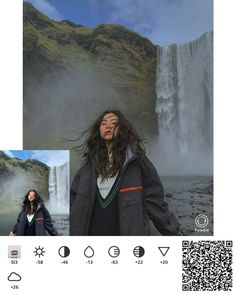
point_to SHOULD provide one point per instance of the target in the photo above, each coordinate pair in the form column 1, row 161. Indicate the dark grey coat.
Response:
column 135, row 206
column 43, row 223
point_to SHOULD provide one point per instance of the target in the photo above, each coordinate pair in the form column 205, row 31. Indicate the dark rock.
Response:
column 71, row 24
column 168, row 195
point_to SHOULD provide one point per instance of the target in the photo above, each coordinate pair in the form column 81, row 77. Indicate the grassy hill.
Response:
column 72, row 73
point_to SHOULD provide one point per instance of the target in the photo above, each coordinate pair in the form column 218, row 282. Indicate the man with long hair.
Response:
column 117, row 189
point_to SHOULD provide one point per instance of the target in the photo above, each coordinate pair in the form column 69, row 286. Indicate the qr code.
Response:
column 207, row 265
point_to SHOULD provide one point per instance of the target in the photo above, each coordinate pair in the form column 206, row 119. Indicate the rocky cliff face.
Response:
column 75, row 71
column 19, row 176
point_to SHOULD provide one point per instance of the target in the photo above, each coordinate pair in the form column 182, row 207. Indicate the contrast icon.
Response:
column 138, row 251
column 163, row 250
column 201, row 220
column 64, row 251
column 114, row 251
column 39, row 251
column 89, row 252
column 14, row 277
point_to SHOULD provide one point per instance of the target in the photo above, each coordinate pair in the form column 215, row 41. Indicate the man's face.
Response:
column 109, row 126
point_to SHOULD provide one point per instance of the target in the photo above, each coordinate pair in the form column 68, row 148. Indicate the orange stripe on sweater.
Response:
column 127, row 189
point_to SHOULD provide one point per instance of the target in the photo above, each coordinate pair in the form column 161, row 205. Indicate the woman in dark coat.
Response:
column 117, row 189
column 34, row 218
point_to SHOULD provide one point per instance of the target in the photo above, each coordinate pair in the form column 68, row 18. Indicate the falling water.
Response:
column 184, row 91
column 59, row 189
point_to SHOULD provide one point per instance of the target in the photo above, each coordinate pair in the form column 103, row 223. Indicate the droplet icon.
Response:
column 89, row 252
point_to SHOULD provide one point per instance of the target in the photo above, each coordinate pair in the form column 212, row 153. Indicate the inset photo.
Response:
column 34, row 192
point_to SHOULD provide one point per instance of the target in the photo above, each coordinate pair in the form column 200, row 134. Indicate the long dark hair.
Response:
column 26, row 204
column 95, row 147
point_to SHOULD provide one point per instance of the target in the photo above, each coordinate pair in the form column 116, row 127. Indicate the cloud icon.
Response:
column 14, row 277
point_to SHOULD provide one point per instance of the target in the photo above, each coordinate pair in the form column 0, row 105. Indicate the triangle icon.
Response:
column 164, row 250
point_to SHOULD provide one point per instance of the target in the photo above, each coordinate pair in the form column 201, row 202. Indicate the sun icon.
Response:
column 39, row 251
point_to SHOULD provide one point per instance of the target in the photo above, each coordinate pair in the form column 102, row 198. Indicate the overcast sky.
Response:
column 161, row 21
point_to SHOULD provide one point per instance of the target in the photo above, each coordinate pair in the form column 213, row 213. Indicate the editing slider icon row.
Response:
column 64, row 251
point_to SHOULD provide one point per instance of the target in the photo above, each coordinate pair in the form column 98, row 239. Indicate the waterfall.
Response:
column 184, row 91
column 59, row 189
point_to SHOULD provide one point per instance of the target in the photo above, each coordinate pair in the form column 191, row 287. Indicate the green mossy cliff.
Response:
column 124, row 60
column 17, row 177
